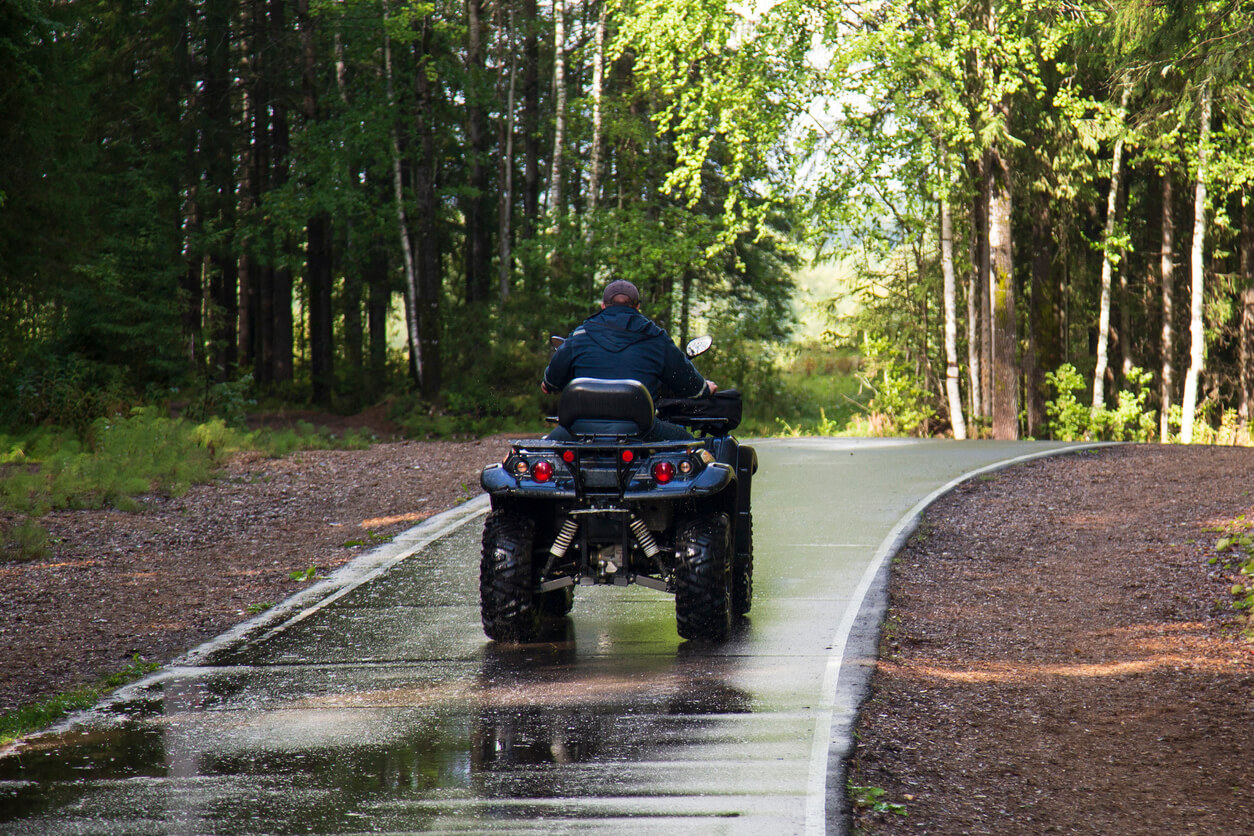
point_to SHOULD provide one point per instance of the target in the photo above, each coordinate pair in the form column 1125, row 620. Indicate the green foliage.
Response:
column 872, row 798
column 303, row 575
column 823, row 427
column 821, row 393
column 61, row 390
column 1228, row 430
column 116, row 460
column 32, row 717
column 119, row 459
column 227, row 400
column 372, row 538
column 900, row 405
column 1131, row 419
column 1070, row 420
column 304, row 436
column 24, row 539
column 1235, row 553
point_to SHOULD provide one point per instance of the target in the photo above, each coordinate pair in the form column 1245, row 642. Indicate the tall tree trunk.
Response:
column 318, row 237
column 1197, row 265
column 351, row 308
column 531, row 118
column 1123, row 336
column 974, row 295
column 252, row 20
column 598, row 78
column 1005, row 377
column 377, row 303
column 283, row 327
column 318, row 283
column 1039, row 347
column 952, row 390
column 1167, row 275
column 685, row 307
column 1246, row 355
column 182, row 96
column 1108, row 264
column 192, row 291
column 476, row 201
column 398, row 194
column 986, row 287
column 505, row 147
column 1247, row 311
column 427, row 362
column 219, row 197
column 556, row 172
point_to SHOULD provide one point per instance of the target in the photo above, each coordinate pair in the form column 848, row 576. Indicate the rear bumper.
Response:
column 498, row 481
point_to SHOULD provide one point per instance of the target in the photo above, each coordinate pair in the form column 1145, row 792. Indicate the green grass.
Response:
column 819, row 394
column 117, row 460
column 35, row 716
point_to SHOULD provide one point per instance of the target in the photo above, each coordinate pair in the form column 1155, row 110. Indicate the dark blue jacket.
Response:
column 620, row 343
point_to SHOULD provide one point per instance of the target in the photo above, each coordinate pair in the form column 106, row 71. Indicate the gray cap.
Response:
column 621, row 287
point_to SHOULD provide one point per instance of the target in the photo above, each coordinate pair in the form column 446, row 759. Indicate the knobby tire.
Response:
column 507, row 600
column 703, row 605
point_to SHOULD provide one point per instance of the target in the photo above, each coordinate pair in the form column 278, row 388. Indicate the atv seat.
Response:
column 590, row 406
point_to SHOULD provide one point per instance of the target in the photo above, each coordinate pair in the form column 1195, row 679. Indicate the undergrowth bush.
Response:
column 900, row 403
column 62, row 390
column 1071, row 420
column 116, row 460
column 1235, row 553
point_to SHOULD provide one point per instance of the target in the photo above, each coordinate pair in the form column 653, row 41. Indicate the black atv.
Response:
column 610, row 508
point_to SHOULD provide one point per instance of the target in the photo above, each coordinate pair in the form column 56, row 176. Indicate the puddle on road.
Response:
column 351, row 748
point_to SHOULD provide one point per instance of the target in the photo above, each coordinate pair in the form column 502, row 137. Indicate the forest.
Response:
column 1042, row 208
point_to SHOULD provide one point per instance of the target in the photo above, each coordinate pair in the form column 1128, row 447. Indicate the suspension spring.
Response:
column 644, row 537
column 564, row 537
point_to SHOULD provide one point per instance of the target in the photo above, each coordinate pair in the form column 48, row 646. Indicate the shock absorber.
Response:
column 564, row 537
column 643, row 536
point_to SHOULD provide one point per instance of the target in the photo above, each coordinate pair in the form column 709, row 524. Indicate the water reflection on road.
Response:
column 386, row 711
column 536, row 731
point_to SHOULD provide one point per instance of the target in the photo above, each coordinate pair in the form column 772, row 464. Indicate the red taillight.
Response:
column 663, row 472
column 628, row 456
column 542, row 471
column 568, row 456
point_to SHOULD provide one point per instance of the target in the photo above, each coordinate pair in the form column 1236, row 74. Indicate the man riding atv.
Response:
column 620, row 492
column 618, row 342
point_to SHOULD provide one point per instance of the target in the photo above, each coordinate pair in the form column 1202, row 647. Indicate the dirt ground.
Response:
column 159, row 582
column 1060, row 656
column 1055, row 659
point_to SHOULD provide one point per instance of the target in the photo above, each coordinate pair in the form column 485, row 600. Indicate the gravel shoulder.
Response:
column 159, row 582
column 1060, row 656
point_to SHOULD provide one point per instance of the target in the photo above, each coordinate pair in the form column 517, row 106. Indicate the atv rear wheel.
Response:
column 703, row 580
column 507, row 600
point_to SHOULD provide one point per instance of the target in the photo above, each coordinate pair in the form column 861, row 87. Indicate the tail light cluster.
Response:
column 663, row 470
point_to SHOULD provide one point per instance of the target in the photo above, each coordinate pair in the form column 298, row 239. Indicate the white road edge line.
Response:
column 304, row 603
column 816, row 790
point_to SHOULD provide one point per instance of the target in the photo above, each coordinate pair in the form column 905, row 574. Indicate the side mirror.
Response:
column 555, row 342
column 699, row 345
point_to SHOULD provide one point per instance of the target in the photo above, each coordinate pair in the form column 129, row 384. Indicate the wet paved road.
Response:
column 383, row 709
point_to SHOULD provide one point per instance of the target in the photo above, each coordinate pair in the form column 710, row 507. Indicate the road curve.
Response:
column 373, row 704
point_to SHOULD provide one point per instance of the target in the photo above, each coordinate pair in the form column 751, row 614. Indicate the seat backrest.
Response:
column 591, row 406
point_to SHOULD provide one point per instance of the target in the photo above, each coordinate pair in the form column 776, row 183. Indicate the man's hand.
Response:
column 710, row 387
column 547, row 389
